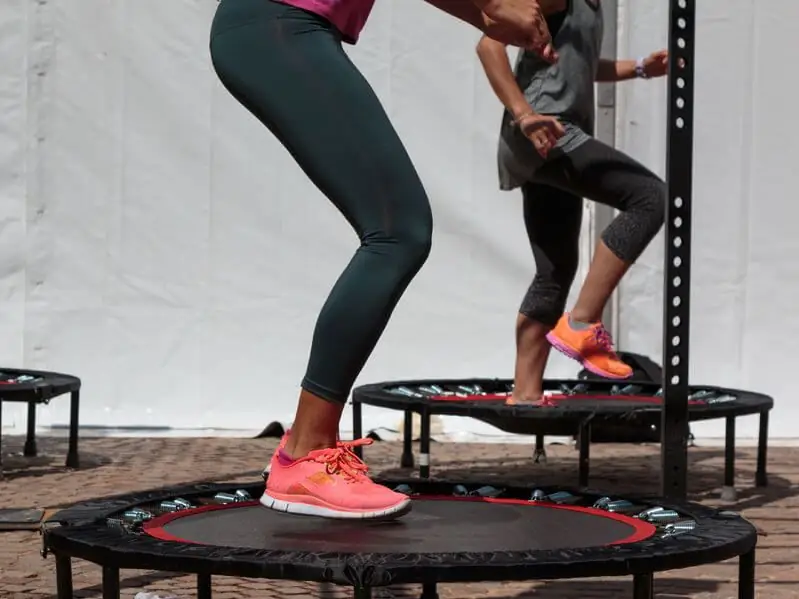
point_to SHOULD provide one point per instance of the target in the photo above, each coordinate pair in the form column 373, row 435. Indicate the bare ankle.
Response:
column 301, row 447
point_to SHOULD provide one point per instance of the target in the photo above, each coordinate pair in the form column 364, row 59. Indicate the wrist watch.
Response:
column 640, row 71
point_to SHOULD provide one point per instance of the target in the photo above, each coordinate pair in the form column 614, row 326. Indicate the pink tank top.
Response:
column 348, row 16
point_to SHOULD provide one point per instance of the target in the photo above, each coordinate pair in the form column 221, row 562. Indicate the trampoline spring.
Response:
column 183, row 503
column 425, row 390
column 701, row 394
column 538, row 495
column 404, row 489
column 487, row 491
column 405, row 391
column 648, row 512
column 580, row 388
column 602, row 503
column 560, row 497
column 169, row 506
column 679, row 527
column 630, row 390
column 663, row 516
column 460, row 491
column 242, row 495
column 136, row 516
column 722, row 399
column 226, row 498
column 619, row 505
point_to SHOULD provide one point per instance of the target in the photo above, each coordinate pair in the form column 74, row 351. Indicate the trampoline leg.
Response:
column 110, row 582
column 584, row 444
column 357, row 426
column 728, row 492
column 406, row 461
column 540, row 453
column 424, row 445
column 643, row 586
column 429, row 591
column 746, row 576
column 761, row 477
column 73, row 460
column 63, row 577
column 29, row 449
column 203, row 586
column 363, row 592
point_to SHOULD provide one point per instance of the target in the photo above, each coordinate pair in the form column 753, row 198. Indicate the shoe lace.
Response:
column 604, row 340
column 342, row 460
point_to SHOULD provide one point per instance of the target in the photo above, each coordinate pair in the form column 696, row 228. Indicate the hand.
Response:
column 657, row 64
column 518, row 23
column 543, row 131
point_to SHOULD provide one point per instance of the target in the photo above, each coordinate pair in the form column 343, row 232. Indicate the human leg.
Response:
column 552, row 218
column 287, row 67
column 605, row 175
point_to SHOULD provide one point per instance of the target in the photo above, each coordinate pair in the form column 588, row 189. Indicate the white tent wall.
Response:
column 744, row 267
column 160, row 244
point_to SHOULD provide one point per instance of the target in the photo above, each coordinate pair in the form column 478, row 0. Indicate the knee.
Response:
column 406, row 243
column 650, row 203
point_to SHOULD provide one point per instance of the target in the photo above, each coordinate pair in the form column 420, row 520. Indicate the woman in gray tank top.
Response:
column 547, row 149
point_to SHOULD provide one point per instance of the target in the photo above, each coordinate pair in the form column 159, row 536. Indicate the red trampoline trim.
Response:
column 557, row 397
column 642, row 530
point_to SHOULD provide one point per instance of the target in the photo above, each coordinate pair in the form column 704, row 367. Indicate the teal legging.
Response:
column 288, row 68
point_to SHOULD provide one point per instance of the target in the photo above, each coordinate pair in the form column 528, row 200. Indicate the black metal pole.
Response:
column 406, row 461
column 30, row 450
column 110, row 582
column 584, row 452
column 73, row 457
column 204, row 586
column 643, row 586
column 746, row 575
column 63, row 576
column 424, row 443
column 677, row 270
column 761, row 476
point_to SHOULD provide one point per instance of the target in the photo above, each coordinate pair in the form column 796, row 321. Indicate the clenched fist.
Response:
column 518, row 23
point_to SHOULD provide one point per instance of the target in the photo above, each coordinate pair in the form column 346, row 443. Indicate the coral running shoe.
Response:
column 331, row 483
column 591, row 345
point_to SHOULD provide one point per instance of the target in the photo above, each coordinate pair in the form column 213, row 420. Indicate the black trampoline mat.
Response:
column 433, row 526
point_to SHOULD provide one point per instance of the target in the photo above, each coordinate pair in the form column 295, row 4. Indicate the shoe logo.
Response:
column 321, row 478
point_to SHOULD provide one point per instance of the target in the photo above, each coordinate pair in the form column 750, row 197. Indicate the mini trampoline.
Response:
column 36, row 387
column 454, row 533
column 571, row 408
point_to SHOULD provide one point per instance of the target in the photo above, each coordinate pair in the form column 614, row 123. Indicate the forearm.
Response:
column 465, row 10
column 615, row 70
column 494, row 58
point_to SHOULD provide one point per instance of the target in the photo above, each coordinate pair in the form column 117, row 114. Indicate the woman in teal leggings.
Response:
column 284, row 62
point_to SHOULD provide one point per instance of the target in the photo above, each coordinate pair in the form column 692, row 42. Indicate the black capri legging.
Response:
column 553, row 211
column 288, row 68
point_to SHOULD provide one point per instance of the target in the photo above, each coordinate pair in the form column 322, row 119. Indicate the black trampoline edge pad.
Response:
column 443, row 539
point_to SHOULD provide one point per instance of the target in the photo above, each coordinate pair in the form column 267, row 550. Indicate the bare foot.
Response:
column 532, row 399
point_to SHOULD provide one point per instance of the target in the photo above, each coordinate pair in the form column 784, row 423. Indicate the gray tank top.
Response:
column 565, row 90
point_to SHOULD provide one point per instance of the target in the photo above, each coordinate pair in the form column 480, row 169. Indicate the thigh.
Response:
column 291, row 72
column 600, row 173
column 553, row 218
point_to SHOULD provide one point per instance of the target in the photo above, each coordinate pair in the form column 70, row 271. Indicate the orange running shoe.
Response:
column 591, row 345
column 331, row 483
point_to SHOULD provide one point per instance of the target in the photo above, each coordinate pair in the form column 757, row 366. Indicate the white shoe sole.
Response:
column 304, row 509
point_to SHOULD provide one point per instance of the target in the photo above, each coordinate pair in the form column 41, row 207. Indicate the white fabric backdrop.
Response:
column 155, row 240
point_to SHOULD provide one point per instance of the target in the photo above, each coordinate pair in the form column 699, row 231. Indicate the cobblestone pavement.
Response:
column 111, row 466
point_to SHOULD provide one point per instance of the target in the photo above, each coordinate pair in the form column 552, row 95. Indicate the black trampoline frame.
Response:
column 82, row 532
column 34, row 393
column 553, row 420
